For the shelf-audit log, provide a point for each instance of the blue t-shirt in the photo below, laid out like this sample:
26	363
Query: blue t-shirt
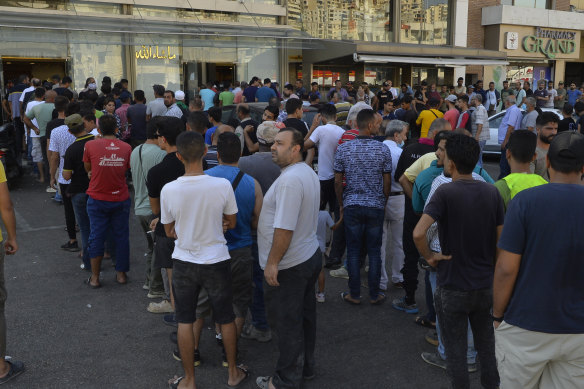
240	236
264	94
207	95
209	135
573	95
549	291
364	161
250	94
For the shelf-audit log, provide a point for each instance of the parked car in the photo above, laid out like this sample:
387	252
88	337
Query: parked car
492	146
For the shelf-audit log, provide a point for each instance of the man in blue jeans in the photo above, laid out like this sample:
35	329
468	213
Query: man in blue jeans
74	170
366	165
106	161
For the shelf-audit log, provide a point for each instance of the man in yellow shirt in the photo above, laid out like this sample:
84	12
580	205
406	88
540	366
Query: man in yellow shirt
427	116
8	368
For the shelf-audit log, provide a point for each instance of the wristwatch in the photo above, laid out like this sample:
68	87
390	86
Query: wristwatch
497	319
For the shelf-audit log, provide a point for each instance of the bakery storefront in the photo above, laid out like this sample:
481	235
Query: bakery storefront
534	53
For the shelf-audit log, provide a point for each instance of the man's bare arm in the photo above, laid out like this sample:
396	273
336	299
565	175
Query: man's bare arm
506	271
259	199
407	185
9	219
422	242
281	242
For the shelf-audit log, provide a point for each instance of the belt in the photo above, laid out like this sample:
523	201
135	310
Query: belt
396	193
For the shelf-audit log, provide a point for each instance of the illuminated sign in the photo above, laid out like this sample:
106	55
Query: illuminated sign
149	52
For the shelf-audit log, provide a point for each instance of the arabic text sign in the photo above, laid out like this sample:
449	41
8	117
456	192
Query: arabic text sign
154	52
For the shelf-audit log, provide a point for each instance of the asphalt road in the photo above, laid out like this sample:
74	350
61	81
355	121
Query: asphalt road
71	336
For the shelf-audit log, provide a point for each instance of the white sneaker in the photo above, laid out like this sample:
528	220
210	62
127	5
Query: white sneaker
162	307
50	189
320	297
155	295
341	272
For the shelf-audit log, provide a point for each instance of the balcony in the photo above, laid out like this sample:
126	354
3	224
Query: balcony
514	15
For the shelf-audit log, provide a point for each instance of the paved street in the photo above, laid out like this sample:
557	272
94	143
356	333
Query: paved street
71	336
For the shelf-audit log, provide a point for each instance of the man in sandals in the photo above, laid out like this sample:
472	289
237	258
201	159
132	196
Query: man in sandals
200	256
9	368
290	256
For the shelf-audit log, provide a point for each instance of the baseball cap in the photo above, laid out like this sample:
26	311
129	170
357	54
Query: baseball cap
179	95
470	87
561	83
125	95
267	133
73	120
451	98
567	148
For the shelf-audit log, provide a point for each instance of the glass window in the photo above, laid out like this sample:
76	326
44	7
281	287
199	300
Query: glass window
425	22
334	19
38	4
163	68
528	3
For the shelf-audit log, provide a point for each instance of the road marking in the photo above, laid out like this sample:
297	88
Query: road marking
23	226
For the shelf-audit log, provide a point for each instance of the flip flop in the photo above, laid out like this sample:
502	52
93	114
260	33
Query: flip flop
119	282
88	282
379	300
422	321
174	384
346	297
242	382
16	369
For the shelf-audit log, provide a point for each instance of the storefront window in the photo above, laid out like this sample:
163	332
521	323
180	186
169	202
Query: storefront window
425	22
333	19
428	75
65	5
377	75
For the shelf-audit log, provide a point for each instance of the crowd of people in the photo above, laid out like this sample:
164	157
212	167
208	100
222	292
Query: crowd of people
236	219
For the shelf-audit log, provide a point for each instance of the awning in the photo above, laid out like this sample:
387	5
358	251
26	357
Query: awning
448	62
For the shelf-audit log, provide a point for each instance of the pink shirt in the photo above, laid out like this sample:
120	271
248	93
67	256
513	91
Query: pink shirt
122	113
452	116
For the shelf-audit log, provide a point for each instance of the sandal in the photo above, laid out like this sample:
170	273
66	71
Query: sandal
263	382
124	282
16	369
346	297
173	383
242	382
88	282
422	321
379	300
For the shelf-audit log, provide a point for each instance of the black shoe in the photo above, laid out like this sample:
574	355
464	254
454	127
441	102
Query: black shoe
176	355
72	247
173	337
170	320
332	263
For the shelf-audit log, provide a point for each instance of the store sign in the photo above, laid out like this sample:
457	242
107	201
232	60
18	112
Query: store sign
550	42
149	52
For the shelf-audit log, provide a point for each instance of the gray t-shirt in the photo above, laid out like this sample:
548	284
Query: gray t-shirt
261	167
529	120
143	158
292	203
156	107
539	166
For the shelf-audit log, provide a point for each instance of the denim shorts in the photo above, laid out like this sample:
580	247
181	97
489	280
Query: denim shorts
188	279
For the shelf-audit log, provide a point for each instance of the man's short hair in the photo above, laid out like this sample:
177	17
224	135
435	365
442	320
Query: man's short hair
395	127
191	146
292	105
463	151
90	117
152	127
267	81
108	100
66	80
197	121
521	145
354	111
328	111
433	102
460	79
274	110
407	99
61	103
170	128
169	91
566	152
579	107
107	124
274	101
91	95
289	87
463	98
300	80
437	126
54	77
545	118
243	109
314	83
228	147
510	99
39	92
364	118
297	137
85	107
531	101
215	113
441	135
116	91
158	90
197	102
139	95
568	109
72	108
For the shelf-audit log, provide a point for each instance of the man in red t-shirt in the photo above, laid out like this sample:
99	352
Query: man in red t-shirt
106	160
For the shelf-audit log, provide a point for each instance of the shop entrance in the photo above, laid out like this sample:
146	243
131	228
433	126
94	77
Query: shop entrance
217	72
41	68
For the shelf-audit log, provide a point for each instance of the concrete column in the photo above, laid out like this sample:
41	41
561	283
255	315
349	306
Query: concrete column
559	71
459	71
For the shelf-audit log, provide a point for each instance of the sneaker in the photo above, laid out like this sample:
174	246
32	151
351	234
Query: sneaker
162	307
72	247
434	359
219	339
170	320
50	189
432	337
400	305
320	297
146	287
224	362
155	295
341	272
58	198
176	355
250	332
332	263
472	367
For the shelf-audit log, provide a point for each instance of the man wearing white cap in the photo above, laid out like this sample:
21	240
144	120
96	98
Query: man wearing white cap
452	113
179	97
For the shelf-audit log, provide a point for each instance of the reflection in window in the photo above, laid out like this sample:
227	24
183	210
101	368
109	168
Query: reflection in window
334	19
424	22
543	4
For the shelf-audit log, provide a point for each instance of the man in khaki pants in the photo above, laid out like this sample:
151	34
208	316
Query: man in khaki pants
538	295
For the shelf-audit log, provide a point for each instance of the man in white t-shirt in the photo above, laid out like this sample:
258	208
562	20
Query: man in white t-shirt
290	256
552	93
201	256
36	150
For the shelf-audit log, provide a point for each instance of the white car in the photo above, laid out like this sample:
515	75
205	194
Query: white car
493	147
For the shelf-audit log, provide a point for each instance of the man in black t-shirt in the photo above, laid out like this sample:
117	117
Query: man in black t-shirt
243	114
169	169
74	170
383	96
470	216
294	119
